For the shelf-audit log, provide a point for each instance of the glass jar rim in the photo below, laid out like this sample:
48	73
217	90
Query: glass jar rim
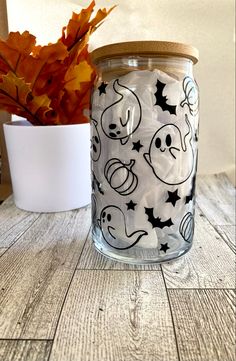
145	49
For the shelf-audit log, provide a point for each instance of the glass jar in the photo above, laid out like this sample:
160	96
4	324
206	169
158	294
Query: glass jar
144	132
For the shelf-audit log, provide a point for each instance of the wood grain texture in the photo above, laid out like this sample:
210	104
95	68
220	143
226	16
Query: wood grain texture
5	191
110	311
91	259
209	264
228	234
36	272
3	19
216	198
115	316
205	324
15	350
2	250
13	222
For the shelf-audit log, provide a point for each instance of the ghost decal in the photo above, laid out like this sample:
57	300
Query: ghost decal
171	155
120	119
114	231
95	142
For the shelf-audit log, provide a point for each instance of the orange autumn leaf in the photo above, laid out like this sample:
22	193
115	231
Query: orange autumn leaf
73	108
50	84
15	56
13	49
101	14
50	66
24	43
16	94
80	24
48	60
78	74
77	26
53	52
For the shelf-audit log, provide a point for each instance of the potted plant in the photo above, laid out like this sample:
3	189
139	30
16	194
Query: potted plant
49	87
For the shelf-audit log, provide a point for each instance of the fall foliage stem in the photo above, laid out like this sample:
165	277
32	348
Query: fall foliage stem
76	42
33	116
7	63
33	84
17	63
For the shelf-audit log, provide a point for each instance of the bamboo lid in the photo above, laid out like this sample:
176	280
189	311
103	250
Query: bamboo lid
145	48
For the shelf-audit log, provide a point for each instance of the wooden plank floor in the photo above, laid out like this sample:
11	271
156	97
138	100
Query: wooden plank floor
62	301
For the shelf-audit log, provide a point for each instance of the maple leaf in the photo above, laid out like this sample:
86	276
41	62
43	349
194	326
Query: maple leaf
80	24
15	56
16	95
53	52
78	74
24	43
13	49
77	26
50	84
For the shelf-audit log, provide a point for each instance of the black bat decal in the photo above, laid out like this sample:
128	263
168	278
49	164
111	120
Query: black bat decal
192	192
162	99
156	221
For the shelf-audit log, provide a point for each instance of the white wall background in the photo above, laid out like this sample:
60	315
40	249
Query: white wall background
206	24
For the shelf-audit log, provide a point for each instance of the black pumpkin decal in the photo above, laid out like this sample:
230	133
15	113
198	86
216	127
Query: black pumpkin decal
191	95
186	227
120	176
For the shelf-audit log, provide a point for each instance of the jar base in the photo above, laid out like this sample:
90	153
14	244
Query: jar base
144	261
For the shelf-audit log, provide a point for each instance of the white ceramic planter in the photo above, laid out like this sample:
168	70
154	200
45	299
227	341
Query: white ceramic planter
49	165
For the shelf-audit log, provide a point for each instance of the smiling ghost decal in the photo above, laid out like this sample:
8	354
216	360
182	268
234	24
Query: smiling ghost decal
120	119
95	142
114	231
171	155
